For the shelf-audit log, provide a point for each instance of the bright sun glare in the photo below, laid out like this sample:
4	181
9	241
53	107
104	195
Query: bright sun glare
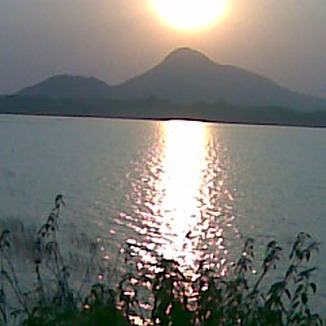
190	15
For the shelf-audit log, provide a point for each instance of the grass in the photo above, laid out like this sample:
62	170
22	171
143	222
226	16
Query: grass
158	293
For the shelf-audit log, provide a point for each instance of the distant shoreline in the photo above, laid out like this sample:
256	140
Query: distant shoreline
158	119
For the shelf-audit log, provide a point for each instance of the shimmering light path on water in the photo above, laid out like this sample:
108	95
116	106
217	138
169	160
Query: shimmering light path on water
187	205
184	160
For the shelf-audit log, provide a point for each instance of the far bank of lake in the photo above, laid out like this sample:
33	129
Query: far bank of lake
155	109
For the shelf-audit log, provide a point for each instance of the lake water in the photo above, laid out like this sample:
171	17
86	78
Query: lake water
175	186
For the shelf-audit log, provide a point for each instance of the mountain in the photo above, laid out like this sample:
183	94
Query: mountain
66	86
184	76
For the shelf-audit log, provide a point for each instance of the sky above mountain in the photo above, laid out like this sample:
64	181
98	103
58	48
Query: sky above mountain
116	40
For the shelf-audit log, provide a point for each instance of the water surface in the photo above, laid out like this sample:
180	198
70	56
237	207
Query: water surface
189	190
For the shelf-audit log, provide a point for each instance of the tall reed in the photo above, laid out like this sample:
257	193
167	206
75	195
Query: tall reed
158	292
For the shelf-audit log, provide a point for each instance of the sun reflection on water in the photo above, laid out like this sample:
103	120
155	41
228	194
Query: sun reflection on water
183	165
181	206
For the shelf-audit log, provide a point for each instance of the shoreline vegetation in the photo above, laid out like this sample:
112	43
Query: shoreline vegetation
157	292
153	108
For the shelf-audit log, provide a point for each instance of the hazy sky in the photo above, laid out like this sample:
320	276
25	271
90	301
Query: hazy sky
114	40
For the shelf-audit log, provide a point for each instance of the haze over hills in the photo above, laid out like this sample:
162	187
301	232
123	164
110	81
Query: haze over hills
66	86
184	76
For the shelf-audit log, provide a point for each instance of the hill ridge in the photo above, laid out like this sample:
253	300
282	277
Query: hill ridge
183	76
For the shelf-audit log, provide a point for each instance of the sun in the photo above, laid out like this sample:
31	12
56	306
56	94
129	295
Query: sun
190	15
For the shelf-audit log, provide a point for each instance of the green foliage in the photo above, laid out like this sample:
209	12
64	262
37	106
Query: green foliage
159	293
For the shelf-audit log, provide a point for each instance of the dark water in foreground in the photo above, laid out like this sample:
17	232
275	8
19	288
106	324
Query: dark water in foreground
187	189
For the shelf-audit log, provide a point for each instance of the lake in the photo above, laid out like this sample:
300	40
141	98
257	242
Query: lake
176	186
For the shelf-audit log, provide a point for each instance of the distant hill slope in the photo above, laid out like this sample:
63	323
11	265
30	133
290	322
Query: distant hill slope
184	76
66	86
187	75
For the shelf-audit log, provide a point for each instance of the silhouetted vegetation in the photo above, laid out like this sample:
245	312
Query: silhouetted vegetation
158	292
159	109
